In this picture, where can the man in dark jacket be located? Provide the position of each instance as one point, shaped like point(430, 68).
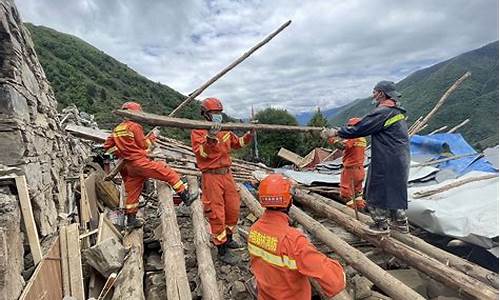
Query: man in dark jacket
point(387, 181)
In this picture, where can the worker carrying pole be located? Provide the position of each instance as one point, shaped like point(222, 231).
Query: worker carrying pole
point(281, 257)
point(128, 142)
point(221, 200)
point(353, 172)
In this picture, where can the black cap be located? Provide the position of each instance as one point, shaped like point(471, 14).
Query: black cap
point(389, 88)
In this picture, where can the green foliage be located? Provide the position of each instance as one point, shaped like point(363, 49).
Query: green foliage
point(269, 143)
point(97, 83)
point(476, 98)
point(313, 140)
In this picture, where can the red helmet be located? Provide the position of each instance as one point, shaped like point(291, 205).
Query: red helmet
point(353, 121)
point(133, 106)
point(275, 191)
point(211, 104)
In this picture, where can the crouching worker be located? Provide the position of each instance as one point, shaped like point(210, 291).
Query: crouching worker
point(353, 172)
point(221, 201)
point(282, 259)
point(129, 143)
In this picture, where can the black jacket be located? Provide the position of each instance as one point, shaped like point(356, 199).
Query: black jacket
point(387, 180)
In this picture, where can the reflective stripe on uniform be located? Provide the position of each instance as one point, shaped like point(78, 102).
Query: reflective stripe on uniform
point(202, 152)
point(394, 119)
point(232, 228)
point(132, 205)
point(122, 130)
point(360, 142)
point(280, 261)
point(112, 150)
point(242, 141)
point(178, 184)
point(226, 137)
point(221, 236)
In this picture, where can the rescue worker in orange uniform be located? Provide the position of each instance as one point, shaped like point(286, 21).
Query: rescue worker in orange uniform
point(281, 257)
point(353, 173)
point(129, 143)
point(221, 201)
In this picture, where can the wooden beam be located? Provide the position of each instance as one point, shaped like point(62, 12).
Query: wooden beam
point(64, 262)
point(424, 263)
point(107, 229)
point(163, 121)
point(130, 281)
point(206, 269)
point(290, 156)
point(452, 185)
point(87, 133)
point(29, 221)
point(351, 255)
point(173, 251)
point(229, 68)
point(458, 263)
point(459, 126)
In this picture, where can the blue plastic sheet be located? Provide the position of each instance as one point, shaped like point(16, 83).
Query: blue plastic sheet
point(442, 145)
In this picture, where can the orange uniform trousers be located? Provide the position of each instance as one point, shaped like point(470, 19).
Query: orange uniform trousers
point(351, 182)
point(221, 204)
point(135, 172)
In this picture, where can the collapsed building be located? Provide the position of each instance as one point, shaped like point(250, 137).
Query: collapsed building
point(58, 216)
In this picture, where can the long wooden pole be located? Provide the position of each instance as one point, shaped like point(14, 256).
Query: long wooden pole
point(229, 68)
point(173, 251)
point(159, 120)
point(206, 268)
point(459, 126)
point(440, 103)
point(424, 263)
point(444, 257)
point(452, 185)
point(351, 255)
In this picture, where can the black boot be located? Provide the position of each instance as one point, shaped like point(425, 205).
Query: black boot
point(226, 255)
point(232, 243)
point(400, 225)
point(379, 227)
point(133, 222)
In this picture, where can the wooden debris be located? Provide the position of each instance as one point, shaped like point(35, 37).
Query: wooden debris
point(441, 101)
point(290, 156)
point(46, 282)
point(74, 262)
point(439, 130)
point(130, 282)
point(173, 251)
point(459, 126)
point(426, 264)
point(106, 191)
point(438, 161)
point(107, 286)
point(351, 255)
point(163, 121)
point(107, 230)
point(87, 133)
point(29, 221)
point(454, 184)
point(206, 269)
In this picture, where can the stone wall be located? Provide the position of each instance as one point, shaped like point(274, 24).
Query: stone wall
point(31, 139)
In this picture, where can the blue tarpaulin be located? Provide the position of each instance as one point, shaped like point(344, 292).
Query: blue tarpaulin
point(442, 145)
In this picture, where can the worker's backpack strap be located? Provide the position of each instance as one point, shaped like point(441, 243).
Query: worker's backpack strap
point(394, 119)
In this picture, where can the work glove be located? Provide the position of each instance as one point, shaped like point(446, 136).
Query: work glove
point(214, 129)
point(328, 132)
point(360, 203)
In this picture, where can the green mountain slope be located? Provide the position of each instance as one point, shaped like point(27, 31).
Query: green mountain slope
point(476, 98)
point(95, 82)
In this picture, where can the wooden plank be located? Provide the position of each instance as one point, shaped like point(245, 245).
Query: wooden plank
point(290, 156)
point(84, 204)
point(107, 229)
point(29, 221)
point(46, 281)
point(75, 262)
point(64, 261)
point(92, 199)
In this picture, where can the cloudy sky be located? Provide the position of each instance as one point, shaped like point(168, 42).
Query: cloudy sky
point(333, 52)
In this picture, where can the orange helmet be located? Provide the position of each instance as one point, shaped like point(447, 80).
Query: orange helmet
point(353, 121)
point(211, 104)
point(133, 106)
point(275, 191)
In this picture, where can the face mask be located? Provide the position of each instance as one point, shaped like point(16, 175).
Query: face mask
point(217, 118)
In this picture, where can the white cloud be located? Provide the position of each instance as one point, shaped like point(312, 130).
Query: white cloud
point(332, 53)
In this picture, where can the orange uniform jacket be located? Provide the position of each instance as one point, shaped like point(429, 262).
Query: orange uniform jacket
point(212, 154)
point(282, 259)
point(354, 151)
point(128, 141)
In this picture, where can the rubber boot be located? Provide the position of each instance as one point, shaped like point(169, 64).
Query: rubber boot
point(232, 243)
point(400, 225)
point(226, 256)
point(133, 222)
point(378, 228)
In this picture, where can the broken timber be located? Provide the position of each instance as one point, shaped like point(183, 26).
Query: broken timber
point(129, 282)
point(206, 268)
point(426, 264)
point(328, 207)
point(351, 255)
point(163, 121)
point(452, 185)
point(173, 251)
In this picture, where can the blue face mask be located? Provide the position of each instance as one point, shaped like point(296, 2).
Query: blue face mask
point(217, 118)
